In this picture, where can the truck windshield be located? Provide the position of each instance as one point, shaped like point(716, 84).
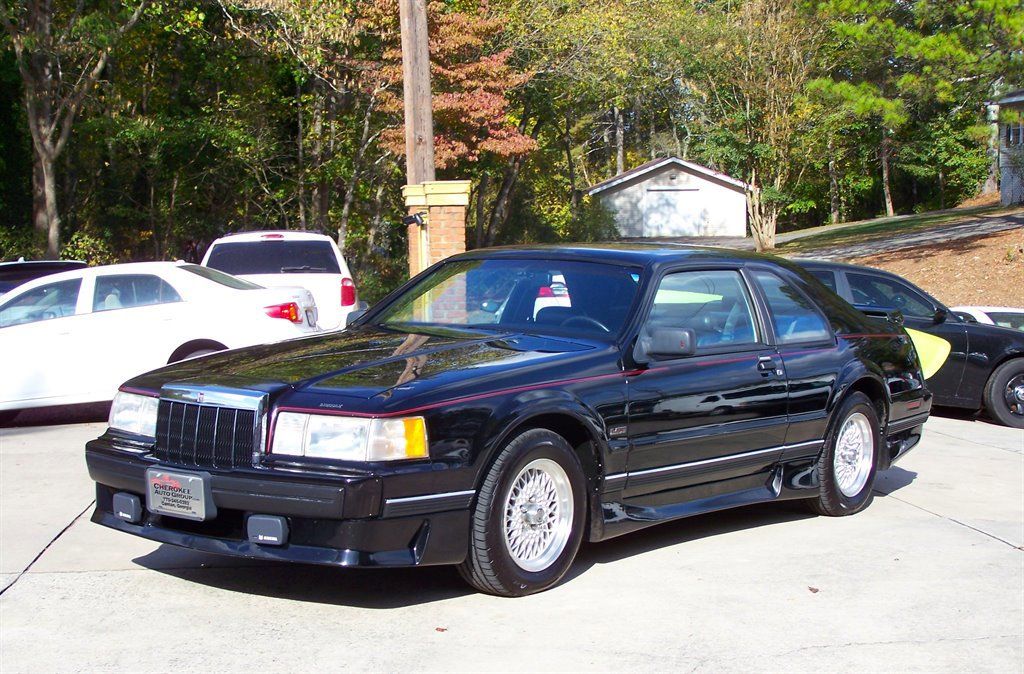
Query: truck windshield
point(274, 257)
point(556, 297)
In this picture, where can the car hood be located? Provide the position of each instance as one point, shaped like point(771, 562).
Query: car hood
point(366, 362)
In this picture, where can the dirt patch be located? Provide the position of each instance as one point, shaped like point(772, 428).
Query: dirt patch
point(991, 199)
point(978, 270)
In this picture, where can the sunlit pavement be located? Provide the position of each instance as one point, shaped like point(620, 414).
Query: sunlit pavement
point(930, 577)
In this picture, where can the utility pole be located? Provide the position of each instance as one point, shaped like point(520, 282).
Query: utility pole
point(436, 210)
point(419, 118)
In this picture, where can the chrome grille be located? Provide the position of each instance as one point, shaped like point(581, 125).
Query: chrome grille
point(210, 436)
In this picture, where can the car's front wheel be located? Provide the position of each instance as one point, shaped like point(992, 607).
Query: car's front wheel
point(1004, 394)
point(849, 461)
point(528, 518)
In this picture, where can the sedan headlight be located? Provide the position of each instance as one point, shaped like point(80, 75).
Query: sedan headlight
point(133, 413)
point(349, 438)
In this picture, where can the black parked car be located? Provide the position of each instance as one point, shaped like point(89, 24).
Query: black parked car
point(985, 367)
point(13, 274)
point(465, 421)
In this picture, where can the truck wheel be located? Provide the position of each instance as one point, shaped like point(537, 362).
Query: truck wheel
point(528, 518)
point(849, 461)
point(1004, 394)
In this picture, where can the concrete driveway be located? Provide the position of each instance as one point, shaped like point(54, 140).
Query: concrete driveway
point(930, 577)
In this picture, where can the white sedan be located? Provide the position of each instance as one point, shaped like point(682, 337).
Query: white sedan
point(74, 337)
point(1007, 317)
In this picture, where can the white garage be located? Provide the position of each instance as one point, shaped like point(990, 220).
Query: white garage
point(671, 197)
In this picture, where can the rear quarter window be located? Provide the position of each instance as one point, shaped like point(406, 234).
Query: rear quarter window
point(274, 257)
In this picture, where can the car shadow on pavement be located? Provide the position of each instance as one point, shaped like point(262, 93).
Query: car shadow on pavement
point(362, 588)
point(686, 530)
point(893, 480)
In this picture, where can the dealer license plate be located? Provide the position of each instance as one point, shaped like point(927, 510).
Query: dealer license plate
point(171, 492)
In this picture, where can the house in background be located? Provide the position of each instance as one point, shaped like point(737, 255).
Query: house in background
point(670, 197)
point(1011, 148)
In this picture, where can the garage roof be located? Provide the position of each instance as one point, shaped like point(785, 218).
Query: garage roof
point(656, 164)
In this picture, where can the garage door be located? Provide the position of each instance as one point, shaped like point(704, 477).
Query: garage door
point(672, 212)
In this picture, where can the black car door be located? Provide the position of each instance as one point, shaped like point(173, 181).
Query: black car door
point(919, 313)
point(810, 355)
point(714, 415)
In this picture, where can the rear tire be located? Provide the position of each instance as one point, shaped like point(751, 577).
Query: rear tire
point(197, 353)
point(849, 461)
point(528, 518)
point(1004, 394)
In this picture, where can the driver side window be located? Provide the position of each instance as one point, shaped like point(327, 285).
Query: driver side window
point(877, 291)
point(54, 300)
point(714, 304)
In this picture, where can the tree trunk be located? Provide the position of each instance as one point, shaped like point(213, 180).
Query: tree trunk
point(39, 220)
point(620, 143)
point(886, 189)
point(574, 194)
point(52, 216)
point(763, 218)
point(481, 201)
point(300, 141)
point(833, 185)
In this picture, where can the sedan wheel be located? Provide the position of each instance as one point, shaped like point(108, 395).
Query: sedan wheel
point(528, 518)
point(1004, 394)
point(538, 515)
point(854, 454)
point(848, 463)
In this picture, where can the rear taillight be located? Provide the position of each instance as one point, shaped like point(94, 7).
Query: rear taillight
point(545, 291)
point(288, 311)
point(348, 293)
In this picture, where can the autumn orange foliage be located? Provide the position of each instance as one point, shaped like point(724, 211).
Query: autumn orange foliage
point(470, 84)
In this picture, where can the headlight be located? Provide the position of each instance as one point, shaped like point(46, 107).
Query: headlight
point(349, 438)
point(134, 414)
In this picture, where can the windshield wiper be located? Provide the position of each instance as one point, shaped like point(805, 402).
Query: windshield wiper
point(285, 270)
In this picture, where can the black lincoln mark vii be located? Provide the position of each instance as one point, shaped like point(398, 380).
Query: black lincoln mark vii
point(507, 404)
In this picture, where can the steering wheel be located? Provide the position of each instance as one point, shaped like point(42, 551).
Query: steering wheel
point(585, 319)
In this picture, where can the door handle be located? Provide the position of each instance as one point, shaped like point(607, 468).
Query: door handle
point(767, 365)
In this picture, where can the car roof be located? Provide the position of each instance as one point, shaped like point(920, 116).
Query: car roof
point(274, 235)
point(633, 253)
point(965, 307)
point(126, 268)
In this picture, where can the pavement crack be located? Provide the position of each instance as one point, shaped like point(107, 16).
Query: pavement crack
point(895, 642)
point(973, 442)
point(47, 546)
point(949, 519)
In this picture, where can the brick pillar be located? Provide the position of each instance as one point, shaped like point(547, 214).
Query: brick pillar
point(444, 232)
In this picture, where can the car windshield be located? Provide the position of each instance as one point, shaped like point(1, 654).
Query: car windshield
point(220, 277)
point(275, 256)
point(548, 297)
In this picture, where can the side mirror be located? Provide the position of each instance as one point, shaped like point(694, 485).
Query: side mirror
point(665, 343)
point(491, 306)
point(940, 316)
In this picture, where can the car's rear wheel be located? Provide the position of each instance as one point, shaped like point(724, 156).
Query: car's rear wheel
point(528, 518)
point(849, 461)
point(1004, 394)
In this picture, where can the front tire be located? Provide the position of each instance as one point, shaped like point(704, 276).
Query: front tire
point(849, 462)
point(528, 518)
point(1004, 394)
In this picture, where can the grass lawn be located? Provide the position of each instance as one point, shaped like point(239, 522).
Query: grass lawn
point(882, 228)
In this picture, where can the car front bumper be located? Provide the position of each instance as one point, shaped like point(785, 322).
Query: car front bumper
point(339, 521)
